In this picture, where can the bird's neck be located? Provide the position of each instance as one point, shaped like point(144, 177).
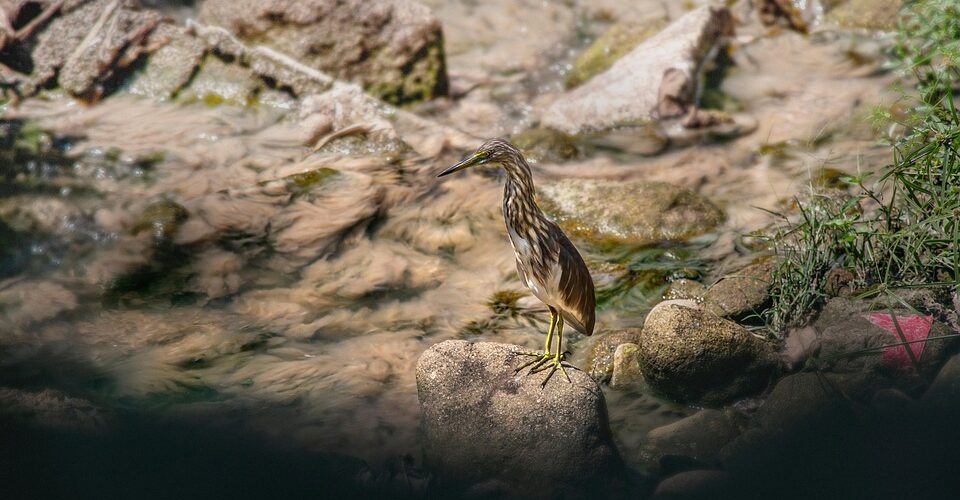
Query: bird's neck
point(520, 209)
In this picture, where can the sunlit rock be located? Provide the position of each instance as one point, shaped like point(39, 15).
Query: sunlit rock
point(626, 367)
point(870, 14)
point(489, 431)
point(657, 79)
point(631, 212)
point(171, 66)
point(692, 355)
point(741, 293)
point(394, 47)
point(618, 40)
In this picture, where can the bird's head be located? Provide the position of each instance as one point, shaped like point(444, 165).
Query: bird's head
point(493, 152)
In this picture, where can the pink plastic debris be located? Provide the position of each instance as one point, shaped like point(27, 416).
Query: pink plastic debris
point(914, 328)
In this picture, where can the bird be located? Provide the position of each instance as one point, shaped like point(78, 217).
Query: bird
point(547, 261)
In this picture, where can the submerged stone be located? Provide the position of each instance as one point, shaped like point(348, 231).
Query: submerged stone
point(493, 433)
point(163, 218)
point(630, 212)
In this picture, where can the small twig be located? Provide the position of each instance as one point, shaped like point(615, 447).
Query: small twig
point(49, 12)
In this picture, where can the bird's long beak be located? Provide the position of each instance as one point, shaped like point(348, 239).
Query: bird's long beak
point(469, 162)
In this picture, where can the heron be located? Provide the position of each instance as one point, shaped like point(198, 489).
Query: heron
point(547, 262)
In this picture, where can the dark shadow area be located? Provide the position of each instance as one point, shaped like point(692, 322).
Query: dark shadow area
point(141, 458)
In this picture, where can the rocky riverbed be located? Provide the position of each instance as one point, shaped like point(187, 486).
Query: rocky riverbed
point(220, 229)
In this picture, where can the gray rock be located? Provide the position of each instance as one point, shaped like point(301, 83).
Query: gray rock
point(700, 436)
point(613, 44)
point(659, 73)
point(742, 293)
point(171, 66)
point(684, 289)
point(86, 42)
point(626, 367)
point(393, 47)
point(600, 359)
point(695, 484)
point(692, 355)
point(488, 431)
point(633, 212)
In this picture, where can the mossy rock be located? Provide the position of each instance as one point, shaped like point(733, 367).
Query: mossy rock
point(869, 14)
point(610, 213)
point(613, 44)
point(220, 82)
point(546, 145)
point(163, 218)
point(305, 181)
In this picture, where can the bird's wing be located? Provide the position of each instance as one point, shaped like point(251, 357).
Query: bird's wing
point(578, 302)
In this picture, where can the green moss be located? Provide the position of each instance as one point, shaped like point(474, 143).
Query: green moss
point(163, 217)
point(613, 44)
point(307, 180)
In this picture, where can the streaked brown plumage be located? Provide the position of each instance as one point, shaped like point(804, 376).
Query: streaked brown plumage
point(547, 261)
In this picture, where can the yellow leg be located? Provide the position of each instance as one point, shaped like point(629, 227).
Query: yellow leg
point(543, 357)
point(557, 358)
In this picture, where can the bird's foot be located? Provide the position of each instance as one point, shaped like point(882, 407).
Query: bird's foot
point(545, 361)
point(540, 358)
point(557, 362)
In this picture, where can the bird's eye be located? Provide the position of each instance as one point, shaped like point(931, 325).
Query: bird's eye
point(483, 155)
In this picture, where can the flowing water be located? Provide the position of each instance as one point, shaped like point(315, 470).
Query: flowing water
point(167, 261)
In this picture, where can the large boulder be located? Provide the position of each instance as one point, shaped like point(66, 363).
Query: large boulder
point(393, 47)
point(493, 433)
point(657, 79)
point(631, 212)
point(693, 355)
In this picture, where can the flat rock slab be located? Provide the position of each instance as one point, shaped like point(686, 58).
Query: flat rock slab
point(488, 431)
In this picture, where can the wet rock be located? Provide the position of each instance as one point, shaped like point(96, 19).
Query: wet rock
point(659, 72)
point(51, 409)
point(546, 145)
point(696, 484)
point(870, 14)
point(613, 44)
point(490, 432)
point(173, 64)
point(632, 212)
point(394, 47)
point(600, 360)
point(692, 355)
point(685, 289)
point(742, 293)
point(699, 437)
point(626, 367)
point(86, 43)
